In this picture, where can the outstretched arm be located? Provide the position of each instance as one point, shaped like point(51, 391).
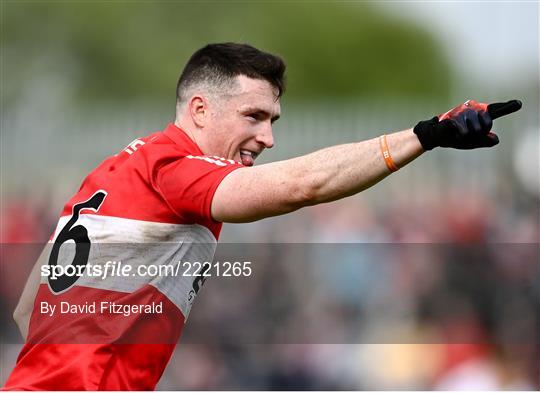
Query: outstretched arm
point(250, 194)
point(254, 193)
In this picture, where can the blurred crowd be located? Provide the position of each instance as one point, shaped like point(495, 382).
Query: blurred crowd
point(441, 292)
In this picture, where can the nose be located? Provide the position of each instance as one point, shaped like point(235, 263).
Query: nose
point(265, 137)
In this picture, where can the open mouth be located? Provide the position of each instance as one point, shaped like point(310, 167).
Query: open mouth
point(248, 157)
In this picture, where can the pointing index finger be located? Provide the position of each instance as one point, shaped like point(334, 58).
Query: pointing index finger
point(500, 109)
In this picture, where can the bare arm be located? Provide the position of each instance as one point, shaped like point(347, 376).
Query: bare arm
point(250, 194)
point(24, 308)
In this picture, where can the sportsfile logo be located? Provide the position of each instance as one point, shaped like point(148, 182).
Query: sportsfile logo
point(109, 269)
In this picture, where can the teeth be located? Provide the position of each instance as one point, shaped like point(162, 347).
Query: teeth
point(249, 153)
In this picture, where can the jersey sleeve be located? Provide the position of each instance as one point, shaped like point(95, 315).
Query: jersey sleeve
point(188, 184)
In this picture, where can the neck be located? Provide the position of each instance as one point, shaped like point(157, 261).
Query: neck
point(188, 130)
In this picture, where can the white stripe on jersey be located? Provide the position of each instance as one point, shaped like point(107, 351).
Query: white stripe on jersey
point(225, 159)
point(208, 159)
point(126, 240)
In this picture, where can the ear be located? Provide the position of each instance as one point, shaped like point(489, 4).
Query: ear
point(198, 109)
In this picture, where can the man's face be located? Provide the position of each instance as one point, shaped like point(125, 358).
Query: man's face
point(240, 123)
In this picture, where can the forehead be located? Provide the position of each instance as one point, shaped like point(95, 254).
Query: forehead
point(257, 93)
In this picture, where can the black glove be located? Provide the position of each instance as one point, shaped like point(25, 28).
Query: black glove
point(465, 127)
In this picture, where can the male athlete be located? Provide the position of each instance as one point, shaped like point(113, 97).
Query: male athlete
point(164, 198)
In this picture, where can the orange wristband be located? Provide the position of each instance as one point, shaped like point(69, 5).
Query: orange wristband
point(392, 167)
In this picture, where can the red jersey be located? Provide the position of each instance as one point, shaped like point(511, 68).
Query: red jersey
point(149, 204)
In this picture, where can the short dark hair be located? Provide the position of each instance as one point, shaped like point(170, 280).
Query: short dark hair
point(219, 64)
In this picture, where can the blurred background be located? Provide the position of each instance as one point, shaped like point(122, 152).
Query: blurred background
point(81, 80)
